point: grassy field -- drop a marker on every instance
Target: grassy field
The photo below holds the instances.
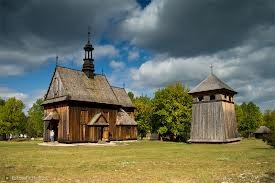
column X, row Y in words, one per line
column 142, row 161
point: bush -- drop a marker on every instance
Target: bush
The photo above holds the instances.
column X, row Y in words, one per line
column 270, row 139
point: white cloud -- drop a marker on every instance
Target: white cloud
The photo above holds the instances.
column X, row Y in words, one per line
column 117, row 65
column 105, row 51
column 146, row 19
column 6, row 93
column 250, row 72
column 27, row 99
column 133, row 55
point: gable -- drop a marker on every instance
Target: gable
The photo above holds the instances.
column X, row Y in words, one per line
column 56, row 88
column 98, row 120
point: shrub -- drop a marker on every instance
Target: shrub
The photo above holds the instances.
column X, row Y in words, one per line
column 270, row 139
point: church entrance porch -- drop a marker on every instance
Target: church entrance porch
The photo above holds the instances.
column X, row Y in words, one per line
column 51, row 122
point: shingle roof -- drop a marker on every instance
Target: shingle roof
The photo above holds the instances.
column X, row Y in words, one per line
column 263, row 129
column 78, row 87
column 212, row 82
column 122, row 97
column 124, row 119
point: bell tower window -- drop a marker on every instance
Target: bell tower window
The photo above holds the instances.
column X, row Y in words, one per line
column 212, row 97
column 200, row 98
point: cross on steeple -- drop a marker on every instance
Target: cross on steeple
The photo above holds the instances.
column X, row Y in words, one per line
column 211, row 67
column 89, row 34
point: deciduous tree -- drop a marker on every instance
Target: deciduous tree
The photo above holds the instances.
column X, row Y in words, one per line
column 35, row 121
column 143, row 114
column 12, row 118
column 172, row 110
column 249, row 118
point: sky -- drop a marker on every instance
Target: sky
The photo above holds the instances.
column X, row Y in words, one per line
column 143, row 45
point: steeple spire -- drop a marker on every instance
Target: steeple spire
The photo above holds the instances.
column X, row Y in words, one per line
column 88, row 65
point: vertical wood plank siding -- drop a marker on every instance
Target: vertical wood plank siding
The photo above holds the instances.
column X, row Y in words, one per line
column 213, row 121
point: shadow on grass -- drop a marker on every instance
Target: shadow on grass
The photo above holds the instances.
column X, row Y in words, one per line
column 262, row 148
column 269, row 177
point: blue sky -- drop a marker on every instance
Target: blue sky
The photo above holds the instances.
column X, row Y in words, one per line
column 144, row 44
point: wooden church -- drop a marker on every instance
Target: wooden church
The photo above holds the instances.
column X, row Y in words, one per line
column 213, row 112
column 81, row 106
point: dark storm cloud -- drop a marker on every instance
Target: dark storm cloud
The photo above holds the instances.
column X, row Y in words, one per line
column 57, row 23
column 191, row 28
column 31, row 31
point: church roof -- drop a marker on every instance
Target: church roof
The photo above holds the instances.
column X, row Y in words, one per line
column 78, row 87
column 123, row 118
column 212, row 82
column 263, row 129
column 122, row 97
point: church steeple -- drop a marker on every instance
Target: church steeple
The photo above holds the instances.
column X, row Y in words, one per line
column 88, row 65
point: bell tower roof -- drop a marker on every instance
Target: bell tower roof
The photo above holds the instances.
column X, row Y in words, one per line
column 212, row 82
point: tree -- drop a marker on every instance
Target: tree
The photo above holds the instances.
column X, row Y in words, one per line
column 172, row 111
column 269, row 119
column 12, row 118
column 131, row 95
column 2, row 102
column 35, row 119
column 249, row 118
column 143, row 114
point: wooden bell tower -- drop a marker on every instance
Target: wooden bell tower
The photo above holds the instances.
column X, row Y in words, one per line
column 213, row 112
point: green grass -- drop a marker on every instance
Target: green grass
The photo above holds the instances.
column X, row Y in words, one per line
column 143, row 161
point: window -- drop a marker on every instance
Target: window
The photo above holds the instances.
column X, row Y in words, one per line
column 212, row 97
column 225, row 97
column 200, row 98
column 230, row 99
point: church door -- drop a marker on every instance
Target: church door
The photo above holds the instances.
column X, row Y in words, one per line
column 99, row 133
column 83, row 122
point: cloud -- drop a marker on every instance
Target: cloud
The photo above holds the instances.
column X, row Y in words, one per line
column 186, row 28
column 27, row 99
column 248, row 70
column 117, row 65
column 33, row 31
column 133, row 55
column 6, row 93
column 105, row 51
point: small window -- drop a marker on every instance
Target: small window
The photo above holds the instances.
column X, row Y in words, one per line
column 230, row 99
column 200, row 98
column 212, row 97
column 225, row 97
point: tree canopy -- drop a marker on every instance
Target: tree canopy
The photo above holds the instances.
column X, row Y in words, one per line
column 249, row 118
column 12, row 118
column 172, row 111
column 143, row 114
column 35, row 121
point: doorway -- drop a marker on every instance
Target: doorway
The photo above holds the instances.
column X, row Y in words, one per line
column 54, row 127
column 99, row 133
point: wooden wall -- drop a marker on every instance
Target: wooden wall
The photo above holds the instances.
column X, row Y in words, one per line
column 76, row 128
column 63, row 123
column 213, row 121
column 126, row 132
column 72, row 126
